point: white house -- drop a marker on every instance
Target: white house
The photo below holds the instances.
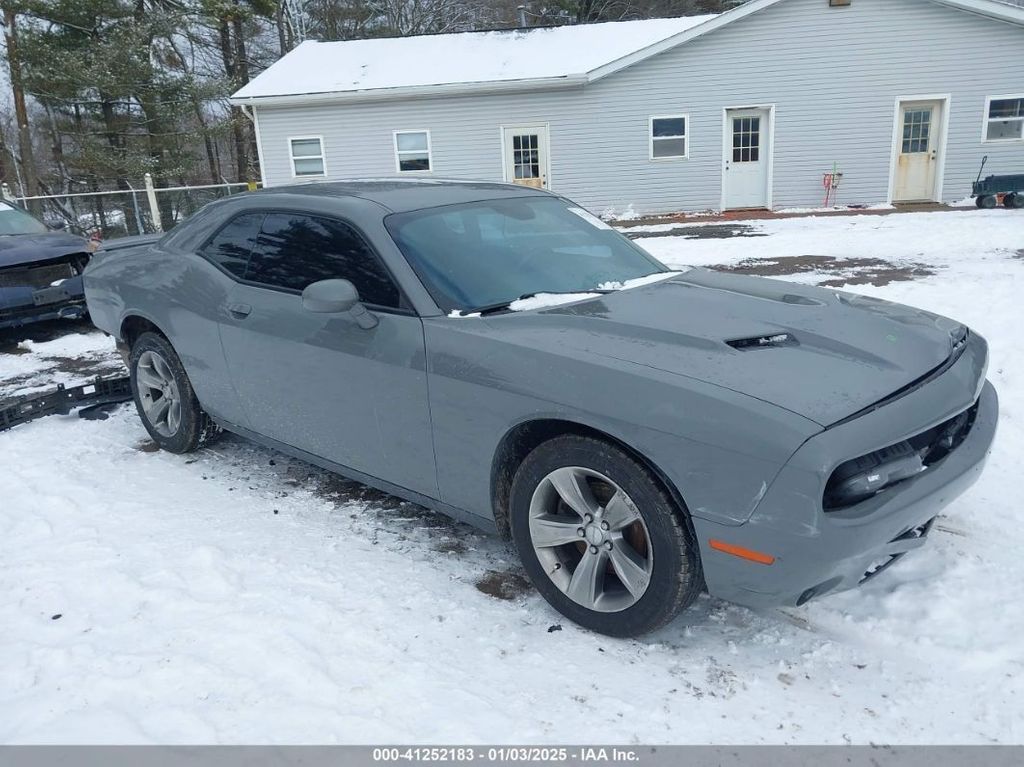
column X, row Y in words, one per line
column 746, row 109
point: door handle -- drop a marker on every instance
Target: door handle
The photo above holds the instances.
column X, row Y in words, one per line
column 239, row 311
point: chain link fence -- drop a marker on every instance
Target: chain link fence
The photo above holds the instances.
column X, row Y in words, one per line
column 141, row 209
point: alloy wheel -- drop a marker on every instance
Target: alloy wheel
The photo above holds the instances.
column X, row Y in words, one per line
column 590, row 539
column 158, row 392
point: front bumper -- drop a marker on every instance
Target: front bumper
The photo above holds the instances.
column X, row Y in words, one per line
column 25, row 305
column 817, row 552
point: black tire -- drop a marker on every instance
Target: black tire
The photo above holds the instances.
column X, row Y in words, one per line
column 195, row 428
column 987, row 201
column 675, row 578
column 1010, row 200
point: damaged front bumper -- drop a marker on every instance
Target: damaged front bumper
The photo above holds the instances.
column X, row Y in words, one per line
column 815, row 551
column 22, row 304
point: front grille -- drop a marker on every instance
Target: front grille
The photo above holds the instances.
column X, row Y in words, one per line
column 40, row 275
column 863, row 477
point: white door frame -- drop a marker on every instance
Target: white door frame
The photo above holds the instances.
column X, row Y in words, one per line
column 727, row 149
column 940, row 150
column 506, row 173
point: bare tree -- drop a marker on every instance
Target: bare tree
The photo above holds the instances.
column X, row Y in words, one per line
column 27, row 158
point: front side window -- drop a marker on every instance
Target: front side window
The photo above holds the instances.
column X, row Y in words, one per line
column 483, row 253
column 296, row 250
column 231, row 246
column 669, row 138
column 412, row 151
column 1005, row 119
column 307, row 156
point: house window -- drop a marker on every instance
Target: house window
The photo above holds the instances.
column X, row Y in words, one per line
column 917, row 131
column 1004, row 119
column 669, row 137
column 412, row 151
column 746, row 139
column 307, row 155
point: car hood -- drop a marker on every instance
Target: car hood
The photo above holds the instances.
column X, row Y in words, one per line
column 19, row 249
column 832, row 354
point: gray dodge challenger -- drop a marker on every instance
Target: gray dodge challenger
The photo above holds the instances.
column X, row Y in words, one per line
column 500, row 355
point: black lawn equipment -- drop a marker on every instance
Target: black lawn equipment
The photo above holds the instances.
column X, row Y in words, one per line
column 987, row 191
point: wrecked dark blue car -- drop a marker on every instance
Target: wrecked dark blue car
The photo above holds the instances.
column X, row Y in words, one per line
column 40, row 270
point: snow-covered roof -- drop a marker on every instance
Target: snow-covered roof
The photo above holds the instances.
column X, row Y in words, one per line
column 467, row 62
column 496, row 59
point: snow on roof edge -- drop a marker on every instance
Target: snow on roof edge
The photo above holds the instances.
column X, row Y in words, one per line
column 248, row 95
column 502, row 58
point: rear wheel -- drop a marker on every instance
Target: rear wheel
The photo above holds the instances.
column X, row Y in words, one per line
column 601, row 539
column 164, row 397
column 987, row 201
column 1010, row 200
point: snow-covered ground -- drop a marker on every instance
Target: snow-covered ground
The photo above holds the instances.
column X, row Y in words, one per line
column 236, row 595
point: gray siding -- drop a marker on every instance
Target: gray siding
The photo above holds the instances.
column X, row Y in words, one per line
column 833, row 75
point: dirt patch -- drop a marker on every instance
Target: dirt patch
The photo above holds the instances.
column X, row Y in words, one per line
column 147, row 446
column 1019, row 254
column 882, row 277
column 13, row 349
column 746, row 215
column 39, row 332
column 451, row 546
column 505, row 584
column 86, row 365
column 848, row 271
column 711, row 232
column 338, row 490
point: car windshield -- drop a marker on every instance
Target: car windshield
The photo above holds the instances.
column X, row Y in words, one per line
column 484, row 254
column 16, row 221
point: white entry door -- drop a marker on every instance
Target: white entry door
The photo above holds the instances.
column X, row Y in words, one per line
column 526, row 155
column 918, row 142
column 747, row 156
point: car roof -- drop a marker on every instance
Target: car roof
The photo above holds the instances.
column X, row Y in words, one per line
column 401, row 195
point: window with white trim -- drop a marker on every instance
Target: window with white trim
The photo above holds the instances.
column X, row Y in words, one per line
column 307, row 153
column 669, row 137
column 412, row 151
column 1004, row 119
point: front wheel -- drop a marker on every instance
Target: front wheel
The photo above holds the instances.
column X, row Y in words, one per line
column 986, row 201
column 164, row 397
column 601, row 539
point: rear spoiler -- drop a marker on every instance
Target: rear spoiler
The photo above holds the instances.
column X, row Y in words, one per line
column 123, row 243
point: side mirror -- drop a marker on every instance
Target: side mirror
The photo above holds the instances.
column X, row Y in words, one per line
column 336, row 297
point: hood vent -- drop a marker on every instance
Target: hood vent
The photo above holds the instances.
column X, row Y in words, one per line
column 763, row 342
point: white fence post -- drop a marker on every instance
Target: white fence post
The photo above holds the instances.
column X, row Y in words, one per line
column 154, row 209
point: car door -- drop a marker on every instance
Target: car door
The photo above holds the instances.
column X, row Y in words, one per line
column 319, row 382
column 201, row 279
